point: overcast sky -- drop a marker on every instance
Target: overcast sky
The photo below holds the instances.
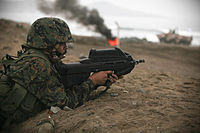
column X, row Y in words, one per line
column 168, row 14
column 182, row 11
column 178, row 8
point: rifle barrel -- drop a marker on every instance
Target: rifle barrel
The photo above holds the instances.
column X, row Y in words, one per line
column 139, row 61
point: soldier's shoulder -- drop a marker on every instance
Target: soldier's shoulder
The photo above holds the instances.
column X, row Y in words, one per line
column 36, row 60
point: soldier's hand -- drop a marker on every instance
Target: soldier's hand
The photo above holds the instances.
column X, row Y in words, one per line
column 100, row 78
column 112, row 78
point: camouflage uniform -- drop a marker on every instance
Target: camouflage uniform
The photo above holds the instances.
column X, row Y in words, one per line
column 31, row 83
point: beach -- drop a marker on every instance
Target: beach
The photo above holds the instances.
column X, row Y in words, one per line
column 161, row 95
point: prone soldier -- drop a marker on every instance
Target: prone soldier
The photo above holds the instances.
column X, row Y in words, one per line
column 30, row 83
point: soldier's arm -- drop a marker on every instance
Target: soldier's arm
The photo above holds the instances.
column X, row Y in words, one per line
column 41, row 80
column 45, row 84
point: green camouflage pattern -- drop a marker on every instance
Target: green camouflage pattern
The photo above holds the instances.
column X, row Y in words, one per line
column 36, row 73
column 47, row 32
column 42, row 88
column 34, row 84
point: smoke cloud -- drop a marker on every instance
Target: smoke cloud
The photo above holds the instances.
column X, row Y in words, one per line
column 73, row 10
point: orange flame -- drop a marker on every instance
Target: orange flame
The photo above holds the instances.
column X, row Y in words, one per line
column 113, row 42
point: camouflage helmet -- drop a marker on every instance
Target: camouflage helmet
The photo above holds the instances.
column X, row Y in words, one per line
column 47, row 32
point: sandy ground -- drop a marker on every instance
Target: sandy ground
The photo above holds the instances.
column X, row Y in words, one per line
column 160, row 96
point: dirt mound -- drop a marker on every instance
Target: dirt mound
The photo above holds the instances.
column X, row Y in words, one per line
column 12, row 35
column 161, row 95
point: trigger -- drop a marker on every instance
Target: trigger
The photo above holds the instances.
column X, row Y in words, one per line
column 110, row 74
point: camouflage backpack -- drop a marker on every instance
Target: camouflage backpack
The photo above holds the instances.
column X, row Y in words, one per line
column 44, row 34
column 13, row 95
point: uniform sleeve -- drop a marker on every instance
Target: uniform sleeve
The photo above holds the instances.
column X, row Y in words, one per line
column 42, row 80
column 79, row 94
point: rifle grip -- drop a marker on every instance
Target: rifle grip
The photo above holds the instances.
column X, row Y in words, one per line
column 108, row 83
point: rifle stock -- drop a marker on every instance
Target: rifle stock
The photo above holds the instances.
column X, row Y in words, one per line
column 121, row 63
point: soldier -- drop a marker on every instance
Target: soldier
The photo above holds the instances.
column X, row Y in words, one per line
column 30, row 82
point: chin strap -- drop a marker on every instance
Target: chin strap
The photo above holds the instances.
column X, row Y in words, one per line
column 61, row 56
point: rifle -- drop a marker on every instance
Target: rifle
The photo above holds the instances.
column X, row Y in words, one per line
column 121, row 63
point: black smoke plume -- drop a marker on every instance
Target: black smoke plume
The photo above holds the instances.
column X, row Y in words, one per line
column 73, row 10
